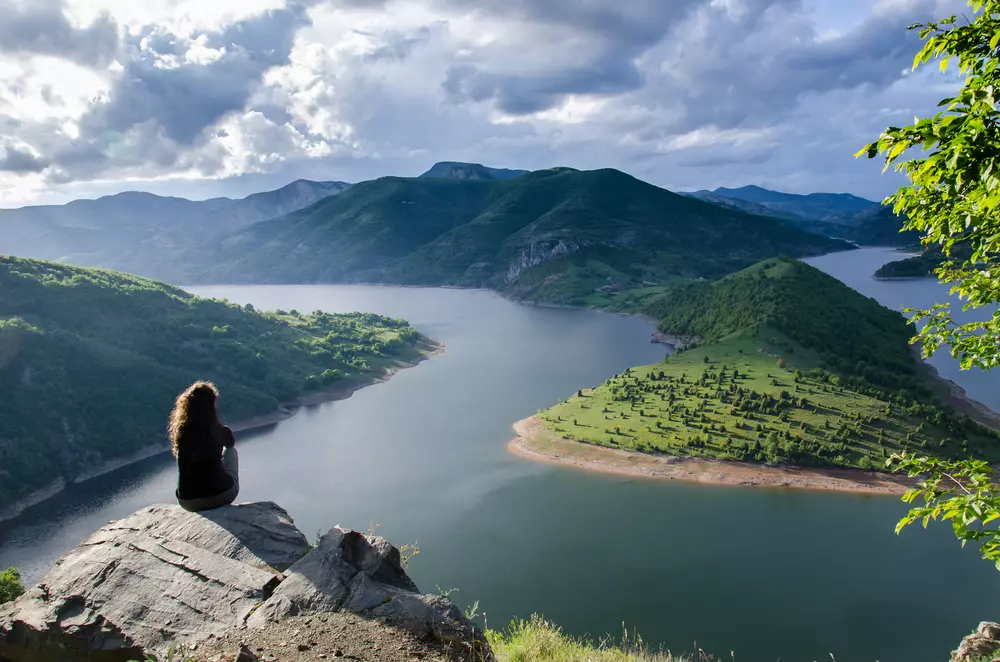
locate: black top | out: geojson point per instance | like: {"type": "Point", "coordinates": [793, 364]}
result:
{"type": "Point", "coordinates": [199, 473]}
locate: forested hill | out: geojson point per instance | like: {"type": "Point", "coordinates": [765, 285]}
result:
{"type": "Point", "coordinates": [91, 360]}
{"type": "Point", "coordinates": [793, 367]}
{"type": "Point", "coordinates": [850, 334]}
{"type": "Point", "coordinates": [551, 235]}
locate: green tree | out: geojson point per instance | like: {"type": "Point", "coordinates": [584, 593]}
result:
{"type": "Point", "coordinates": [11, 586]}
{"type": "Point", "coordinates": [953, 198]}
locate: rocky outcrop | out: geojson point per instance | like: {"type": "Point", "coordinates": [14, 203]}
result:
{"type": "Point", "coordinates": [164, 576]}
{"type": "Point", "coordinates": [983, 644]}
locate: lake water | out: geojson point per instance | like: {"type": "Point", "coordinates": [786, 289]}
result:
{"type": "Point", "coordinates": [768, 574]}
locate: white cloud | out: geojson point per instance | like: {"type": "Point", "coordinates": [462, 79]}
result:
{"type": "Point", "coordinates": [113, 94]}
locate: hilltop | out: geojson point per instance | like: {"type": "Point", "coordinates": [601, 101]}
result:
{"type": "Point", "coordinates": [793, 368]}
{"type": "Point", "coordinates": [142, 232]}
{"type": "Point", "coordinates": [552, 235]}
{"type": "Point", "coordinates": [90, 361]}
{"type": "Point", "coordinates": [457, 170]}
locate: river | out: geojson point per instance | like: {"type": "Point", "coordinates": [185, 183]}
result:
{"type": "Point", "coordinates": [767, 574]}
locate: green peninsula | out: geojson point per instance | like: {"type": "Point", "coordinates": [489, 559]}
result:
{"type": "Point", "coordinates": [792, 368]}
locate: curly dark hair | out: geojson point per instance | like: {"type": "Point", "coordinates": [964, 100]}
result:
{"type": "Point", "coordinates": [194, 416]}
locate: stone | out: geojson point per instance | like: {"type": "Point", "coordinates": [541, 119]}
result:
{"type": "Point", "coordinates": [158, 577]}
{"type": "Point", "coordinates": [163, 577]}
{"type": "Point", "coordinates": [984, 643]}
{"type": "Point", "coordinates": [348, 571]}
{"type": "Point", "coordinates": [246, 655]}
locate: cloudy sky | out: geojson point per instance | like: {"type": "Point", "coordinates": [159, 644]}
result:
{"type": "Point", "coordinates": [225, 97]}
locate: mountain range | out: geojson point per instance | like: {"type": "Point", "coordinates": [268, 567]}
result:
{"type": "Point", "coordinates": [549, 235]}
{"type": "Point", "coordinates": [840, 215]}
{"type": "Point", "coordinates": [122, 230]}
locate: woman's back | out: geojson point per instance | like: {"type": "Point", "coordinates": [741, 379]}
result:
{"type": "Point", "coordinates": [199, 467]}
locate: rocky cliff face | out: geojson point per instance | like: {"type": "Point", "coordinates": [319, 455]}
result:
{"type": "Point", "coordinates": [164, 576]}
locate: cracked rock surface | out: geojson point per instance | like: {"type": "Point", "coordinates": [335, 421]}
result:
{"type": "Point", "coordinates": [163, 576]}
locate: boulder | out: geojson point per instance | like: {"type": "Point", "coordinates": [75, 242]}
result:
{"type": "Point", "coordinates": [164, 577]}
{"type": "Point", "coordinates": [983, 644]}
{"type": "Point", "coordinates": [159, 576]}
{"type": "Point", "coordinates": [348, 571]}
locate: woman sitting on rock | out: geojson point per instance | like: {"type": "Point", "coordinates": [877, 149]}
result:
{"type": "Point", "coordinates": [208, 466]}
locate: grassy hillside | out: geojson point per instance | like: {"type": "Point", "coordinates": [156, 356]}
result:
{"type": "Point", "coordinates": [554, 235]}
{"type": "Point", "coordinates": [795, 367]}
{"type": "Point", "coordinates": [90, 362]}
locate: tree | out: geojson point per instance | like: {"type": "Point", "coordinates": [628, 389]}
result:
{"type": "Point", "coordinates": [953, 198]}
{"type": "Point", "coordinates": [10, 585]}
{"type": "Point", "coordinates": [962, 492]}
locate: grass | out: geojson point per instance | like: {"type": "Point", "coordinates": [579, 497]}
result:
{"type": "Point", "coordinates": [538, 640]}
{"type": "Point", "coordinates": [731, 400]}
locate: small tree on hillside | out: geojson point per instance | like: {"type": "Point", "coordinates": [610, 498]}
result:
{"type": "Point", "coordinates": [11, 586]}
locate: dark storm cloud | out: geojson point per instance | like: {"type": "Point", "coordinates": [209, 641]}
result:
{"type": "Point", "coordinates": [18, 161]}
{"type": "Point", "coordinates": [40, 27]}
{"type": "Point", "coordinates": [525, 94]}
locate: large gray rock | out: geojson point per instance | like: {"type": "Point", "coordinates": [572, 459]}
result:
{"type": "Point", "coordinates": [983, 644]}
{"type": "Point", "coordinates": [348, 571]}
{"type": "Point", "coordinates": [160, 576]}
{"type": "Point", "coordinates": [164, 576]}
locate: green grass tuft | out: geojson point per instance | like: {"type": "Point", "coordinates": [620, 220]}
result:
{"type": "Point", "coordinates": [539, 640]}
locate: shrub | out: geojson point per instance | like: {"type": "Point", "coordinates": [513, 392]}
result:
{"type": "Point", "coordinates": [11, 586]}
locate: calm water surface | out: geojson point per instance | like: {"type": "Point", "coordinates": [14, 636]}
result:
{"type": "Point", "coordinates": [768, 574]}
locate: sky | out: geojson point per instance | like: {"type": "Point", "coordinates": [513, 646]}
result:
{"type": "Point", "coordinates": [202, 98]}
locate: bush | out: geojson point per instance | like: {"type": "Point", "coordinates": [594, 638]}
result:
{"type": "Point", "coordinates": [11, 586]}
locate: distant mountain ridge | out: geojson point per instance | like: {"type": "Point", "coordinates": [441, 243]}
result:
{"type": "Point", "coordinates": [814, 206]}
{"type": "Point", "coordinates": [549, 235]}
{"type": "Point", "coordinates": [131, 228]}
{"type": "Point", "coordinates": [476, 171]}
{"type": "Point", "coordinates": [837, 215]}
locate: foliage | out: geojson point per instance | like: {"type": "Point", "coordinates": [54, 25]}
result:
{"type": "Point", "coordinates": [551, 235]}
{"type": "Point", "coordinates": [90, 361]}
{"type": "Point", "coordinates": [964, 493]}
{"type": "Point", "coordinates": [538, 640]}
{"type": "Point", "coordinates": [11, 586]}
{"type": "Point", "coordinates": [173, 655]}
{"type": "Point", "coordinates": [954, 191]}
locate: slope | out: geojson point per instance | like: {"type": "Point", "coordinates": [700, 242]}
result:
{"type": "Point", "coordinates": [795, 368]}
{"type": "Point", "coordinates": [551, 235]}
{"type": "Point", "coordinates": [881, 226]}
{"type": "Point", "coordinates": [140, 231]}
{"type": "Point", "coordinates": [90, 361]}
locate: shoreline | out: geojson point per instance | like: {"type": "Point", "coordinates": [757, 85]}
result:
{"type": "Point", "coordinates": [428, 348]}
{"type": "Point", "coordinates": [535, 442]}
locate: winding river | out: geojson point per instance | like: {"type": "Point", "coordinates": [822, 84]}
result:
{"type": "Point", "coordinates": [766, 573]}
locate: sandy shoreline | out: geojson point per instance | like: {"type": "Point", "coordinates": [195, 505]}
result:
{"type": "Point", "coordinates": [428, 347]}
{"type": "Point", "coordinates": [534, 441]}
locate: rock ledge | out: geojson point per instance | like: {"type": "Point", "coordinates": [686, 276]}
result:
{"type": "Point", "coordinates": [163, 576]}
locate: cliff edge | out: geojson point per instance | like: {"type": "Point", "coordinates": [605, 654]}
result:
{"type": "Point", "coordinates": [164, 577]}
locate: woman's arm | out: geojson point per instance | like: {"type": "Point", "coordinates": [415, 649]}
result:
{"type": "Point", "coordinates": [228, 438]}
